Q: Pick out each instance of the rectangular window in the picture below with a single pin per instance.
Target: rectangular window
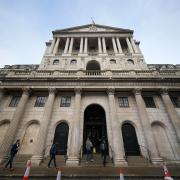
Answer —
(149, 102)
(65, 101)
(40, 101)
(123, 102)
(14, 101)
(176, 101)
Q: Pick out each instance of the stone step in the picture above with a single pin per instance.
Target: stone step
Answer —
(92, 173)
(137, 161)
(95, 161)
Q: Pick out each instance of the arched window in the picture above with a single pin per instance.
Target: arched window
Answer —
(73, 61)
(55, 62)
(130, 61)
(113, 61)
(93, 66)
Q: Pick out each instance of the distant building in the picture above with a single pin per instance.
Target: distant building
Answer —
(92, 82)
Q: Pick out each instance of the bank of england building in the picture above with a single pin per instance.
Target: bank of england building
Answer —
(93, 82)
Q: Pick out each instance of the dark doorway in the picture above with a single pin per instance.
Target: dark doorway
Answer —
(130, 140)
(61, 138)
(95, 126)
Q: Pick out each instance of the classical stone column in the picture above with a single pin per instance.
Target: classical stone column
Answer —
(133, 45)
(129, 45)
(114, 45)
(1, 94)
(73, 158)
(66, 46)
(81, 46)
(175, 120)
(42, 135)
(52, 46)
(104, 45)
(99, 45)
(86, 45)
(71, 45)
(119, 155)
(119, 45)
(55, 50)
(12, 129)
(150, 142)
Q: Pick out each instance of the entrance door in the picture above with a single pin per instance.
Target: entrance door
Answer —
(95, 126)
(61, 138)
(130, 140)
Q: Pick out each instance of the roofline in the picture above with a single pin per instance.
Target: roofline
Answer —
(98, 25)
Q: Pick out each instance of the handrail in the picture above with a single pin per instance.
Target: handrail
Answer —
(148, 151)
(44, 150)
(112, 152)
(80, 152)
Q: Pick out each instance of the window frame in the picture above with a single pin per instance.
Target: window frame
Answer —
(112, 61)
(40, 101)
(123, 101)
(14, 101)
(149, 103)
(130, 62)
(73, 61)
(55, 61)
(65, 101)
(174, 102)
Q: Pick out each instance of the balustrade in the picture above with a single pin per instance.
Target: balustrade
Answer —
(84, 73)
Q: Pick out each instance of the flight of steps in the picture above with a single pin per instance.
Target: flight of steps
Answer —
(21, 160)
(138, 161)
(96, 161)
(60, 161)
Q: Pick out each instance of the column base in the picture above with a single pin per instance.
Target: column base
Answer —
(66, 54)
(103, 54)
(72, 161)
(120, 162)
(118, 54)
(157, 160)
(36, 160)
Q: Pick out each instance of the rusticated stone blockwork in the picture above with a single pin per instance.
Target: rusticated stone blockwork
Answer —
(92, 82)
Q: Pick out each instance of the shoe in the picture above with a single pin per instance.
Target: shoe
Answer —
(11, 169)
(5, 168)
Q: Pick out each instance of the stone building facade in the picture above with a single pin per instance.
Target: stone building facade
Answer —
(92, 82)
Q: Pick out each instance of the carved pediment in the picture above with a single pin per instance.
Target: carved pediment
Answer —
(94, 28)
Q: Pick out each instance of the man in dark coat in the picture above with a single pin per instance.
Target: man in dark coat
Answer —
(53, 152)
(103, 148)
(13, 152)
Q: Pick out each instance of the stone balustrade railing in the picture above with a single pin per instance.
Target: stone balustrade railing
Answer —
(89, 74)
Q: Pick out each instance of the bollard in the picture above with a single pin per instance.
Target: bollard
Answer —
(59, 175)
(167, 175)
(121, 176)
(26, 174)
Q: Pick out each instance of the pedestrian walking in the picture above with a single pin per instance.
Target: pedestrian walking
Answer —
(88, 149)
(53, 152)
(103, 148)
(13, 152)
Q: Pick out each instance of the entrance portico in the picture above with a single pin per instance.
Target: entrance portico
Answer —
(94, 126)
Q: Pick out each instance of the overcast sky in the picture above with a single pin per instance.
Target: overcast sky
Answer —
(25, 26)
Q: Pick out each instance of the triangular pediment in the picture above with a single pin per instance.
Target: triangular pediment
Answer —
(93, 28)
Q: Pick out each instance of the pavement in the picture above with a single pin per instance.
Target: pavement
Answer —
(91, 172)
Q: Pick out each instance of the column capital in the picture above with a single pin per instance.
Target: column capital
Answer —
(52, 90)
(78, 90)
(137, 91)
(110, 91)
(26, 91)
(164, 91)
